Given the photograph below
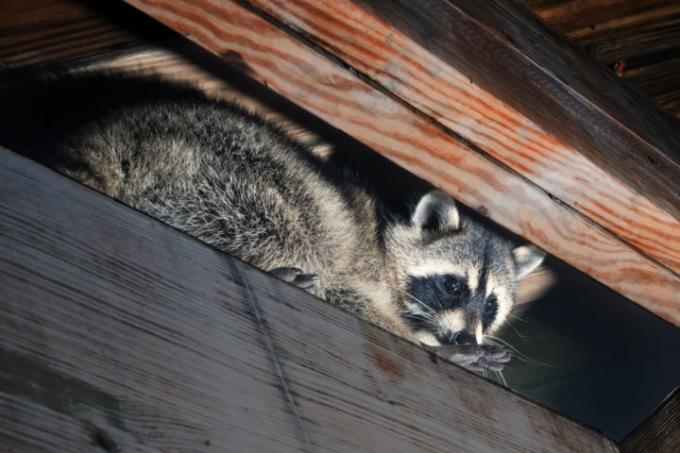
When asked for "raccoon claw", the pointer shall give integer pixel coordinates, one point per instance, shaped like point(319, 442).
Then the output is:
point(463, 355)
point(496, 353)
point(296, 277)
point(477, 357)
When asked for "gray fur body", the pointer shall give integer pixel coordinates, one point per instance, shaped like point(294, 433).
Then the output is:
point(238, 183)
point(242, 186)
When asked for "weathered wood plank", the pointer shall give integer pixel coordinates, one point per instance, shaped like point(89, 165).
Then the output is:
point(413, 74)
point(120, 332)
point(660, 432)
point(339, 96)
point(43, 31)
point(642, 35)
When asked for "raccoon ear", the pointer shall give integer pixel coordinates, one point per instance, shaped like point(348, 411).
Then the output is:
point(436, 211)
point(527, 258)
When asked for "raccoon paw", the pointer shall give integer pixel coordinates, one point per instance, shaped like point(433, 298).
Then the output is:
point(296, 277)
point(495, 357)
point(476, 357)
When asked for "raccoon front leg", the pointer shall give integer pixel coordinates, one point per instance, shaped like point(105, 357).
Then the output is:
point(296, 277)
point(476, 357)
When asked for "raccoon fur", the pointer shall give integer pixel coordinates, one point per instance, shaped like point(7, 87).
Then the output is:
point(237, 182)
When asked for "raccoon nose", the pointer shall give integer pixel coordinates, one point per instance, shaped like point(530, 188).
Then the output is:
point(460, 337)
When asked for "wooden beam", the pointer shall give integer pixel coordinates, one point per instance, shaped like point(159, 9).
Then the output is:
point(642, 37)
point(34, 32)
point(510, 53)
point(660, 432)
point(294, 67)
point(120, 332)
point(421, 71)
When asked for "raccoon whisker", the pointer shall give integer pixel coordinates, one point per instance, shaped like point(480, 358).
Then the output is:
point(408, 313)
point(427, 316)
point(502, 378)
point(500, 342)
point(523, 337)
point(517, 317)
point(520, 356)
point(411, 296)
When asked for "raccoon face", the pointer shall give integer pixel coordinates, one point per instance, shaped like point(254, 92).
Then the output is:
point(454, 278)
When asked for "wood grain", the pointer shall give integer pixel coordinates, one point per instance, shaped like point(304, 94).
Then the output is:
point(642, 34)
point(660, 432)
point(338, 96)
point(512, 55)
point(121, 333)
point(36, 32)
point(407, 70)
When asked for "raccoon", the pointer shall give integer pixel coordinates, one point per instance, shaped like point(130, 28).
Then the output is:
point(239, 183)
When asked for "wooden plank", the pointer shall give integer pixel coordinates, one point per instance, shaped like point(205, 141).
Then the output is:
point(339, 96)
point(642, 35)
point(410, 72)
point(42, 31)
point(120, 332)
point(505, 50)
point(660, 432)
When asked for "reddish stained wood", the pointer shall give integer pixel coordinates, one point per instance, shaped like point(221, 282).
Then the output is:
point(300, 73)
point(512, 55)
point(409, 71)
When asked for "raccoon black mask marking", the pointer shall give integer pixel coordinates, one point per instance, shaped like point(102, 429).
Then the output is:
point(458, 276)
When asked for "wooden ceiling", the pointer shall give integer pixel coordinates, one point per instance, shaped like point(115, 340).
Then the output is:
point(639, 39)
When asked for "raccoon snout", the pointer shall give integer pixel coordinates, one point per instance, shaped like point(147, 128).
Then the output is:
point(460, 337)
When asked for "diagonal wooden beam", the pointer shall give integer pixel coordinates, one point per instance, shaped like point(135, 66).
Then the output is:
point(296, 68)
point(518, 105)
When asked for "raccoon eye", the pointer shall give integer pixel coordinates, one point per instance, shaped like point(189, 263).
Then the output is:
point(452, 285)
point(490, 306)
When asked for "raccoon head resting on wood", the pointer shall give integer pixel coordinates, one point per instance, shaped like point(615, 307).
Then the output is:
point(454, 278)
